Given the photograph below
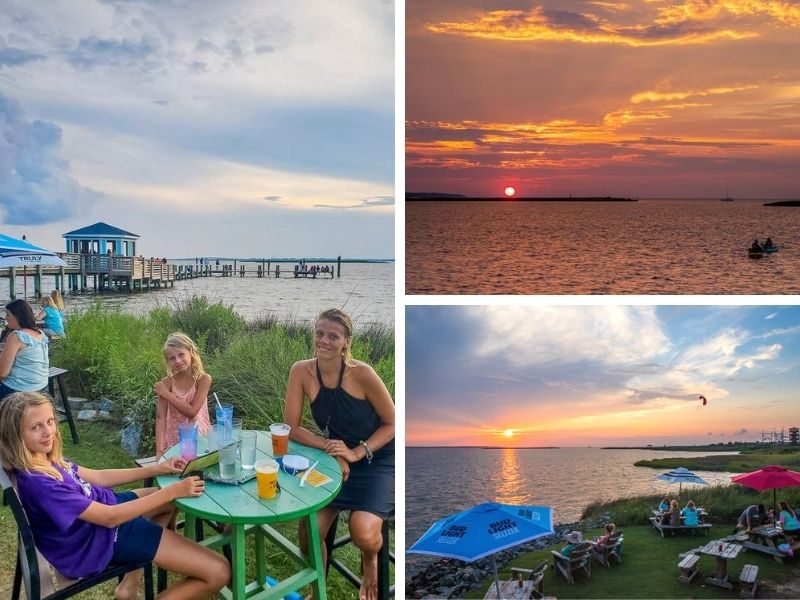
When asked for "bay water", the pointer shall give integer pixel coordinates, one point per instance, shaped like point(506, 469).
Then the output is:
point(365, 291)
point(663, 246)
point(443, 481)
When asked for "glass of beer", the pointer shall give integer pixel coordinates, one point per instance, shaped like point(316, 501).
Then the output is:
point(280, 438)
point(267, 478)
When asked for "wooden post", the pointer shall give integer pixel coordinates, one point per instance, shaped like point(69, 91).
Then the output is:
point(339, 266)
point(12, 283)
point(37, 282)
point(277, 270)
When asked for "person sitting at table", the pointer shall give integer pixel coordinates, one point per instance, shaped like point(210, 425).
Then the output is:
point(81, 526)
point(789, 521)
point(690, 515)
point(664, 506)
point(58, 300)
point(24, 361)
point(751, 517)
point(53, 325)
point(355, 413)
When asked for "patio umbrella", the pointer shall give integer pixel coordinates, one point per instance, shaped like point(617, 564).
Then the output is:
point(680, 476)
point(771, 477)
point(20, 253)
point(483, 530)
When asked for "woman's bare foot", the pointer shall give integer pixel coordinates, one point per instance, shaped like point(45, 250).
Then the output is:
point(369, 585)
point(128, 588)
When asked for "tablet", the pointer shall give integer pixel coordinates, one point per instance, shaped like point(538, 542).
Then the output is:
point(201, 462)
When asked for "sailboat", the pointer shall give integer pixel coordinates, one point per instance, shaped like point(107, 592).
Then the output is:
point(727, 197)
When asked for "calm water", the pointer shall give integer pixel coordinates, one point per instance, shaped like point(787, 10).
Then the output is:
point(365, 290)
point(645, 247)
point(442, 481)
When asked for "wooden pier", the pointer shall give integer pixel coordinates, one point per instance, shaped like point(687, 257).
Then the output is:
point(129, 273)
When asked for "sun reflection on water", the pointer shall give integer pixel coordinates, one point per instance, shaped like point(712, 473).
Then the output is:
point(508, 479)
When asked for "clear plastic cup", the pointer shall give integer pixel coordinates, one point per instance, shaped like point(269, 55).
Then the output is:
point(224, 414)
point(228, 460)
point(267, 478)
point(247, 440)
point(280, 438)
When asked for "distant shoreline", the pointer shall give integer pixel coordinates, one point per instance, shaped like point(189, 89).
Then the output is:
point(783, 203)
point(465, 199)
point(313, 259)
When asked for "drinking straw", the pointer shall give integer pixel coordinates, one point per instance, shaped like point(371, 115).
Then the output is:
point(218, 402)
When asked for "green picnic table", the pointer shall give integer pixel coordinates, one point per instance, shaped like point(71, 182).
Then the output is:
point(240, 507)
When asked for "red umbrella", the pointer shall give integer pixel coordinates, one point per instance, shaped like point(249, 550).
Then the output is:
point(769, 478)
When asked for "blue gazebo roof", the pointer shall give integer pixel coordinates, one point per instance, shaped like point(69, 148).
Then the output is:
point(100, 229)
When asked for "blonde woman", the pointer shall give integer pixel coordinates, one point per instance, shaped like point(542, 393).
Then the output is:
point(81, 526)
point(183, 393)
point(58, 300)
point(354, 410)
point(53, 325)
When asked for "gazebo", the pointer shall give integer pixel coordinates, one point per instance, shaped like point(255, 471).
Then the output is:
point(99, 239)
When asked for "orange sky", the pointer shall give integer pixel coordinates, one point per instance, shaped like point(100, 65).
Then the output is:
point(643, 99)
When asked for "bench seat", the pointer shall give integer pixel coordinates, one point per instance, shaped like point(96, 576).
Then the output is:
point(688, 567)
point(749, 581)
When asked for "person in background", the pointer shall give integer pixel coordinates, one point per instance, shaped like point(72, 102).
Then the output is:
point(664, 506)
point(53, 325)
point(690, 515)
point(183, 393)
point(573, 539)
point(768, 243)
point(609, 531)
point(751, 517)
point(58, 300)
point(790, 524)
point(24, 361)
point(756, 247)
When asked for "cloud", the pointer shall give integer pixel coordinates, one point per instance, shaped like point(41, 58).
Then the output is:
point(656, 96)
point(527, 335)
point(365, 203)
point(35, 184)
point(541, 25)
point(13, 57)
point(771, 316)
point(272, 198)
point(742, 431)
point(93, 51)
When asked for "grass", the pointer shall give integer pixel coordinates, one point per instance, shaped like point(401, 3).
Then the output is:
point(99, 448)
point(747, 460)
point(649, 569)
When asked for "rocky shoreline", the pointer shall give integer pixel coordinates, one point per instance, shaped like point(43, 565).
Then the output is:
point(450, 578)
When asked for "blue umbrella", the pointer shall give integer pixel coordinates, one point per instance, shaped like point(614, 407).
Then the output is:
point(483, 530)
point(680, 476)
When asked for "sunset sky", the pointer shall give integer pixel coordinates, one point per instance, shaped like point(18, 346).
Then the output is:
point(599, 375)
point(652, 98)
point(240, 128)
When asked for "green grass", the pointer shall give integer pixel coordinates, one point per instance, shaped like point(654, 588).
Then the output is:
point(649, 569)
point(99, 448)
point(748, 460)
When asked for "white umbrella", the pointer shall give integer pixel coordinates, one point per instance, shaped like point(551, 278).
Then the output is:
point(680, 476)
point(20, 253)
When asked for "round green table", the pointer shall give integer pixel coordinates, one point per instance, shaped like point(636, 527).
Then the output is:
point(246, 514)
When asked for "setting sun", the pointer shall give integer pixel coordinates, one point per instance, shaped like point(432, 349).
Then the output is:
point(508, 433)
point(510, 191)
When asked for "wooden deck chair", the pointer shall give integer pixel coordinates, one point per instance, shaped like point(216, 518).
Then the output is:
point(42, 581)
point(536, 575)
point(611, 549)
point(578, 560)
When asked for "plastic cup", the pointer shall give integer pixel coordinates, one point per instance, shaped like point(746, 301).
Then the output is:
point(187, 433)
point(224, 414)
point(227, 460)
point(236, 429)
point(247, 440)
point(214, 437)
point(267, 478)
point(280, 438)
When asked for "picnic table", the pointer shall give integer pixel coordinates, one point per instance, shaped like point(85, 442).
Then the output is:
point(240, 508)
point(722, 552)
point(766, 539)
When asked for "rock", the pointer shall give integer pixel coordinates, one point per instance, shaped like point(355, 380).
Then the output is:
point(103, 414)
point(78, 404)
point(87, 415)
point(105, 404)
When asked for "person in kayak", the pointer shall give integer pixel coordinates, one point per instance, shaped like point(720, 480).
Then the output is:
point(756, 247)
point(768, 244)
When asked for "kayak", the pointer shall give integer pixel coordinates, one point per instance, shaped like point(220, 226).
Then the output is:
point(771, 249)
point(752, 254)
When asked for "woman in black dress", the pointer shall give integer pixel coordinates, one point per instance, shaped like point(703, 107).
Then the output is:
point(355, 413)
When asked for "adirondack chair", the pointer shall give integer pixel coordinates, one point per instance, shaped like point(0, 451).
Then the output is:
point(612, 548)
point(536, 575)
point(578, 560)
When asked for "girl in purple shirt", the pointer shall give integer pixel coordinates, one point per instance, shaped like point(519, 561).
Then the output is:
point(81, 526)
